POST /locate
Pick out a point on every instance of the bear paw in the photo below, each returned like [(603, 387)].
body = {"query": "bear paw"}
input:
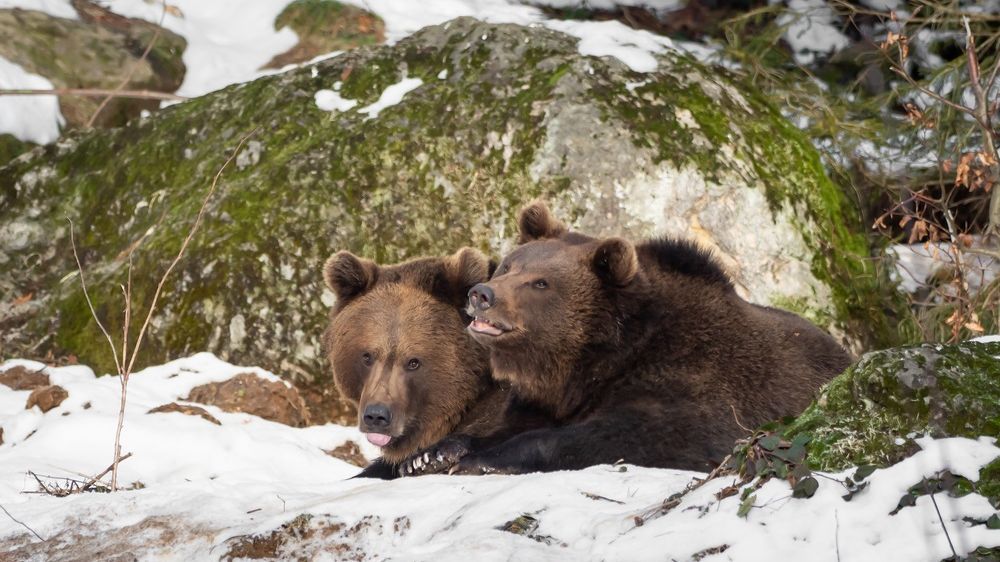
[(437, 458)]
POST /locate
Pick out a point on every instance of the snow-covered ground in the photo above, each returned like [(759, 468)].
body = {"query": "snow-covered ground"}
[(205, 486)]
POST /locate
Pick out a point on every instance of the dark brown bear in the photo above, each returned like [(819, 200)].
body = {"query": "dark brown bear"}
[(400, 351), (641, 353)]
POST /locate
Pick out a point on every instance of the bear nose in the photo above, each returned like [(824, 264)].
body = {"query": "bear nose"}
[(481, 297), (377, 416)]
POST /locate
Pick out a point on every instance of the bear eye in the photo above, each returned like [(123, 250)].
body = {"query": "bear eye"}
[(540, 284), (413, 364), (366, 358), (505, 268)]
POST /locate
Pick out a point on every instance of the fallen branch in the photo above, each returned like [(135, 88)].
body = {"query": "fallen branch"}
[(93, 92), (112, 466)]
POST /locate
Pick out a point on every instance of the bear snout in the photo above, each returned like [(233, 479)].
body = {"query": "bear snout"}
[(481, 297), (376, 417)]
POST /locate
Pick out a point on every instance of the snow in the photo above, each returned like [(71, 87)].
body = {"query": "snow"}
[(329, 100), (206, 484), (917, 264), (660, 5), (812, 29), (228, 40), (35, 119), (55, 8), (391, 96), (635, 48)]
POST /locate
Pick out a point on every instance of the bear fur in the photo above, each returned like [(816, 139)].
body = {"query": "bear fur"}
[(639, 353), (397, 338)]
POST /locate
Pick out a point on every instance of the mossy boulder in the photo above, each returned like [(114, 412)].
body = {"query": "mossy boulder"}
[(100, 50), (873, 411), (500, 114), (324, 26)]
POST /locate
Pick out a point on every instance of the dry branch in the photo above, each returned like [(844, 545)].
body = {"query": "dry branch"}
[(129, 356), (93, 92)]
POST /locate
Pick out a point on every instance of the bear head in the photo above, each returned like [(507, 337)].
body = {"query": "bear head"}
[(551, 299), (398, 347)]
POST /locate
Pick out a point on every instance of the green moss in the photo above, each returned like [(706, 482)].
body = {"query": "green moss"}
[(989, 482), (871, 413), (11, 147)]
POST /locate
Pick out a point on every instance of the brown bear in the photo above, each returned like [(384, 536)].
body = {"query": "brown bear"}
[(399, 350), (640, 353)]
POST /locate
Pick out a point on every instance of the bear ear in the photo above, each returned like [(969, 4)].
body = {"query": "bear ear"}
[(616, 262), (349, 276), (462, 270), (536, 221)]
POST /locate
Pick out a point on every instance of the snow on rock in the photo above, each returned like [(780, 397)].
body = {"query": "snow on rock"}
[(34, 119), (329, 100), (391, 96), (636, 48), (54, 8), (208, 490)]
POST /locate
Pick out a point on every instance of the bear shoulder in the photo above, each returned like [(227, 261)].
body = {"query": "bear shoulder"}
[(684, 257)]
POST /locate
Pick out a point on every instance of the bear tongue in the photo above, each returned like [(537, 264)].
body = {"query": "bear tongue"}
[(378, 439)]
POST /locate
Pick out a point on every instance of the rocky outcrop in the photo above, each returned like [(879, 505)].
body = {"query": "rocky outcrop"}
[(396, 151)]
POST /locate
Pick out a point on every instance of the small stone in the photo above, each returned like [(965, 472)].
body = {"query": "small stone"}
[(185, 409), (21, 378), (349, 452), (46, 397)]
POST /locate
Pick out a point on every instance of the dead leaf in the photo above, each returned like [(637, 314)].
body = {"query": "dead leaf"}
[(23, 299)]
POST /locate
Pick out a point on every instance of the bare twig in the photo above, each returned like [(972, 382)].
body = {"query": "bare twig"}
[(129, 362), (21, 523), (943, 527), (982, 112), (93, 93), (836, 533), (83, 283), (738, 422), (132, 69)]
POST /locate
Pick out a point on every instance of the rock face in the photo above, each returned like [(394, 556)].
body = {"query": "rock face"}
[(492, 116), (871, 413), (98, 51)]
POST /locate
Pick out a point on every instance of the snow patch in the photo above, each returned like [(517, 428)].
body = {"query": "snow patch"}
[(812, 29), (330, 100), (228, 41), (391, 96), (34, 119)]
